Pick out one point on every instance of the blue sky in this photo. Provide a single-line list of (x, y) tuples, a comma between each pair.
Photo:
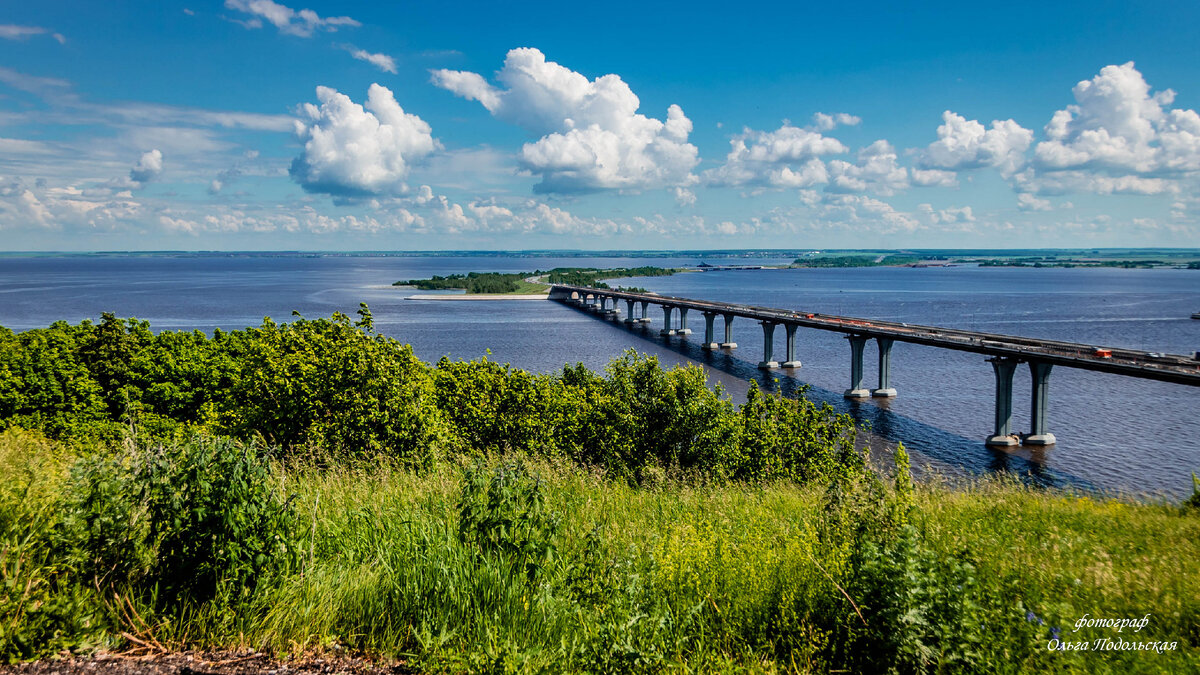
[(250, 124)]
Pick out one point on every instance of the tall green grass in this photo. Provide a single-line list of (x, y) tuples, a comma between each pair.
[(540, 565)]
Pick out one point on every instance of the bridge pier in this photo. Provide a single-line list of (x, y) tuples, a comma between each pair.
[(629, 315), (1040, 374), (683, 329), (792, 361), (666, 329), (645, 312), (1002, 435), (885, 371), (768, 346), (728, 343), (857, 343), (710, 333)]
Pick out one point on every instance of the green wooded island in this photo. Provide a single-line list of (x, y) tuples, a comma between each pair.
[(532, 282)]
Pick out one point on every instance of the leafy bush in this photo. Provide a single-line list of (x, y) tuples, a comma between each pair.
[(44, 607), (494, 408), (216, 519), (45, 385), (188, 521), (331, 385), (337, 389), (503, 512), (103, 532)]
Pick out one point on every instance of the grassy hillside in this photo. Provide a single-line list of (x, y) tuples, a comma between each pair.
[(312, 486), (520, 565)]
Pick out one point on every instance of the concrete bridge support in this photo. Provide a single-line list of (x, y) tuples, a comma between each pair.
[(683, 329), (1040, 374), (629, 315), (885, 369), (768, 346), (1002, 435), (857, 343), (728, 343), (645, 312), (792, 361), (710, 332), (666, 329)]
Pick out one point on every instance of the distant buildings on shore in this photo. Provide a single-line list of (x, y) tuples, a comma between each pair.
[(723, 268)]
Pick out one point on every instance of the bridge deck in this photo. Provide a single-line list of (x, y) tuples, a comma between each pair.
[(1135, 363)]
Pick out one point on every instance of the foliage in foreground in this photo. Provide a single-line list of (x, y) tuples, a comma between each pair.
[(535, 566), (313, 485), (334, 387)]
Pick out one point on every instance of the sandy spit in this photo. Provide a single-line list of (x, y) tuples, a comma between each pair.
[(481, 296)]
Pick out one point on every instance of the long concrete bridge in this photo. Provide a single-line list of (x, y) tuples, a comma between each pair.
[(1005, 352)]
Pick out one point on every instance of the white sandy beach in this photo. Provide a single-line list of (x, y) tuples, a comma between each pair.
[(481, 296)]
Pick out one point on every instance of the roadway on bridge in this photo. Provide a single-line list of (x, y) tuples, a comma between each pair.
[(1134, 363)]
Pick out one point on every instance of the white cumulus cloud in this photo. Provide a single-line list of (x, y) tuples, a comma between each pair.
[(877, 169), (863, 213), (301, 23), (353, 150), (786, 157), (1028, 202), (961, 215), (592, 137), (827, 121), (933, 178), (966, 144), (149, 166), (1118, 126)]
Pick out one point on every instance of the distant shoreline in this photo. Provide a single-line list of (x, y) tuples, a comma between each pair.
[(481, 296)]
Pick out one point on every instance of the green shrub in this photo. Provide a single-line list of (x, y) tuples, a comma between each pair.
[(495, 408), (503, 512), (216, 519), (336, 389), (334, 386), (45, 385), (793, 439), (44, 606), (104, 531), (188, 521)]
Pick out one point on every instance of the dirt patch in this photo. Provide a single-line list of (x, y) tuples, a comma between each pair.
[(207, 663)]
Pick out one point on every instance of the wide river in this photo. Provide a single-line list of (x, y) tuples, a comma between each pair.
[(1115, 434)]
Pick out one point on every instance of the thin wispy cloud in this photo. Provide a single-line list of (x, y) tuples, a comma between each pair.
[(14, 32), (381, 61), (301, 23)]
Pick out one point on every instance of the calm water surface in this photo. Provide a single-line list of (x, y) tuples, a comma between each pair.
[(1114, 433)]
